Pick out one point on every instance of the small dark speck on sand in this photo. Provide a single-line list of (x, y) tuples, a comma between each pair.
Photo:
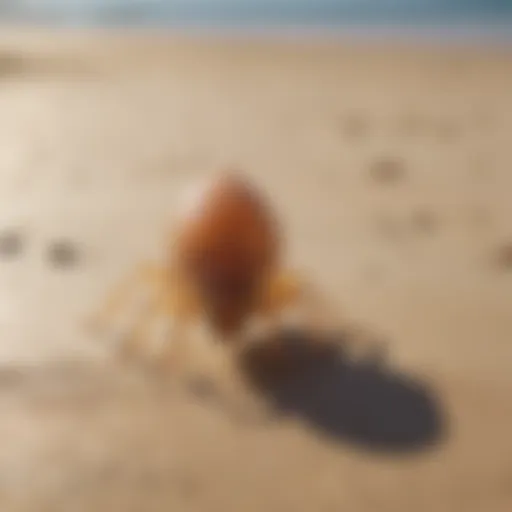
[(11, 244), (62, 254), (411, 125), (201, 387), (355, 125), (424, 221), (187, 486), (388, 171), (447, 131), (503, 256)]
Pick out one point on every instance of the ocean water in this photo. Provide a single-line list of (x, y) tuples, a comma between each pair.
[(434, 18)]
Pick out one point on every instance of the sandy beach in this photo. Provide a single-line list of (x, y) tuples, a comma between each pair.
[(390, 166)]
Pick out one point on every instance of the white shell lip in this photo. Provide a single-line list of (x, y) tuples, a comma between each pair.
[(191, 201)]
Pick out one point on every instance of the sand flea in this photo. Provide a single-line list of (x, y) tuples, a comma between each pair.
[(223, 278)]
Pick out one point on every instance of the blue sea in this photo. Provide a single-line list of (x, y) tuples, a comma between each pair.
[(431, 18)]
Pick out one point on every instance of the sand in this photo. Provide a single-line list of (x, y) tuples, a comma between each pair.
[(390, 167)]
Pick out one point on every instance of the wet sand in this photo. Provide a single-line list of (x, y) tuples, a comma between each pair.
[(390, 167)]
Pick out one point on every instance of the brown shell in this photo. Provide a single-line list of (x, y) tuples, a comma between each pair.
[(230, 230)]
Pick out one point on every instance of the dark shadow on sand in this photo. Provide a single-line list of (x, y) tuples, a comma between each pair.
[(364, 402)]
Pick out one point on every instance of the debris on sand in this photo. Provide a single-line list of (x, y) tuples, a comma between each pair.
[(447, 130), (503, 256), (62, 253), (11, 244), (355, 125), (424, 221), (388, 170), (411, 125)]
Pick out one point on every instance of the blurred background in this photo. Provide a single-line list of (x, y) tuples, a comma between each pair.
[(381, 130), (491, 17)]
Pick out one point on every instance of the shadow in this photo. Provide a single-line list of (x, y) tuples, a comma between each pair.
[(366, 403)]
